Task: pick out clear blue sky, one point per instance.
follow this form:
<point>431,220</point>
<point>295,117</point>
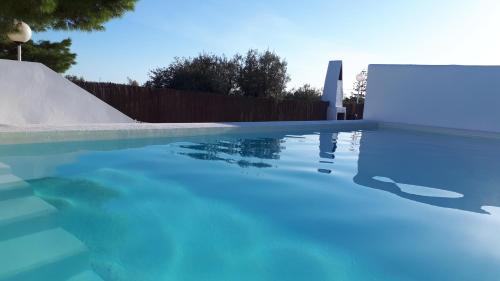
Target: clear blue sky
<point>307,33</point>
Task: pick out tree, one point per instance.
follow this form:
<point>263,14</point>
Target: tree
<point>55,55</point>
<point>205,73</point>
<point>132,82</point>
<point>256,75</point>
<point>263,75</point>
<point>359,87</point>
<point>41,15</point>
<point>75,79</point>
<point>306,92</point>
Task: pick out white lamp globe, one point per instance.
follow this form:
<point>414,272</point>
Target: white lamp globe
<point>360,77</point>
<point>22,33</point>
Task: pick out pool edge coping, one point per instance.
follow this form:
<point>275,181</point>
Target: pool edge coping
<point>439,130</point>
<point>90,132</point>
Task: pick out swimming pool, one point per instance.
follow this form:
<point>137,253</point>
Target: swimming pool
<point>301,205</point>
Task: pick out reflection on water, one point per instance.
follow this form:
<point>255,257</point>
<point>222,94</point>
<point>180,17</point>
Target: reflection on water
<point>261,148</point>
<point>444,171</point>
<point>157,210</point>
<point>327,145</point>
<point>241,151</point>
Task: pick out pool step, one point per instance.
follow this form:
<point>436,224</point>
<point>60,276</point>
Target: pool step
<point>12,187</point>
<point>25,215</point>
<point>32,247</point>
<point>86,276</point>
<point>48,255</point>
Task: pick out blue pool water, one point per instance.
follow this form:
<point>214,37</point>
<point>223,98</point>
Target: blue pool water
<point>296,206</point>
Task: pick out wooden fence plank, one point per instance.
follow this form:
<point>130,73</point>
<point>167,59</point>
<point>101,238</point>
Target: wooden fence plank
<point>174,106</point>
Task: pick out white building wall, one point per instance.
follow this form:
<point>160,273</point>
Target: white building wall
<point>459,97</point>
<point>31,93</point>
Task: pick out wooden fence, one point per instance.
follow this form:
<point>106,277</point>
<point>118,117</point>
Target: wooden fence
<point>171,106</point>
<point>354,111</point>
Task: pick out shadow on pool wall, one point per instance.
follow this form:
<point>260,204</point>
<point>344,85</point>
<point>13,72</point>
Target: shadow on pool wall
<point>399,162</point>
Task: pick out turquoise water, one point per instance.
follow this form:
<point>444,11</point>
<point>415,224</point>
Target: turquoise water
<point>309,205</point>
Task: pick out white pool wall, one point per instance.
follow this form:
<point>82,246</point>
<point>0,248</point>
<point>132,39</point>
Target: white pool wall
<point>31,93</point>
<point>447,96</point>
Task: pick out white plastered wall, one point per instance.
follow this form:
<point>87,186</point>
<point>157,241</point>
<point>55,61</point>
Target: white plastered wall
<point>31,93</point>
<point>450,96</point>
<point>333,90</point>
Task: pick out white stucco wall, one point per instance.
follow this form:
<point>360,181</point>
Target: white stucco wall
<point>333,90</point>
<point>451,96</point>
<point>31,93</point>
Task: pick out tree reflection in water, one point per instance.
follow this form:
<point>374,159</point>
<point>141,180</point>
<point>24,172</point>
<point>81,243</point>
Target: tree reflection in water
<point>238,151</point>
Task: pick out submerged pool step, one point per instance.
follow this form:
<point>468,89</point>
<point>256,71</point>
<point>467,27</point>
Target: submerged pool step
<point>86,276</point>
<point>12,187</point>
<point>48,255</point>
<point>25,215</point>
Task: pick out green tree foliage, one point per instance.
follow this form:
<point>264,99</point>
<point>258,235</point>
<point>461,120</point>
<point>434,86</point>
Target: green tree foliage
<point>256,74</point>
<point>263,75</point>
<point>306,92</point>
<point>56,55</point>
<point>75,79</point>
<point>206,73</point>
<point>41,15</point>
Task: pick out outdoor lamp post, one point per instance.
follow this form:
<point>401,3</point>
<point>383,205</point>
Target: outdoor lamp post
<point>360,78</point>
<point>20,35</point>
